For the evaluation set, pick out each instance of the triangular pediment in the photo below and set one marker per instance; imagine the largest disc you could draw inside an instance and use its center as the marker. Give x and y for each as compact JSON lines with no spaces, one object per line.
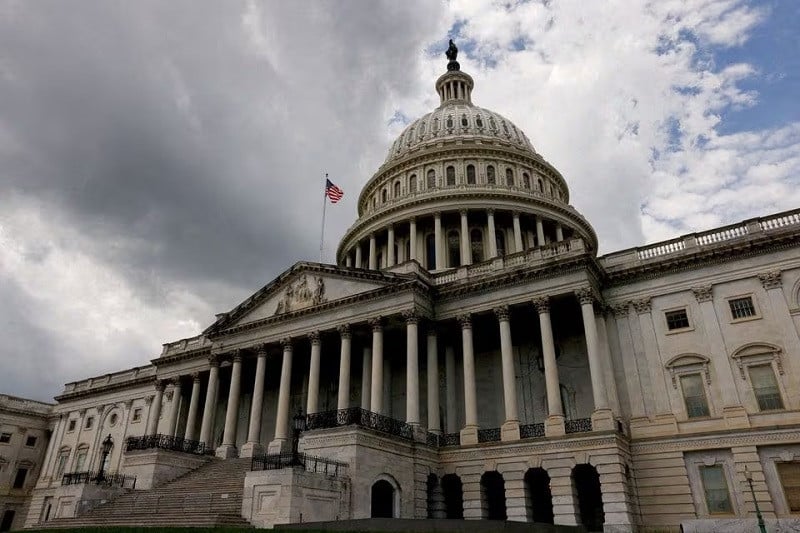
{"x":302,"y":288}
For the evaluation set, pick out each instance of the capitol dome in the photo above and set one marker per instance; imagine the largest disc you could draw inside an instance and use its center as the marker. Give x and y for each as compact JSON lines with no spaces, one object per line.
{"x":460,"y":186}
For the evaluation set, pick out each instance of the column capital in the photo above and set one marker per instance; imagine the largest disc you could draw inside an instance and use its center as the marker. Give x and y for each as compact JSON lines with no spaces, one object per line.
{"x":236,"y":356}
{"x":261,"y":350}
{"x":411,"y":316}
{"x":431,"y":329}
{"x":376,"y":323}
{"x":128,"y":404}
{"x":515,"y":214}
{"x":176,"y":381}
{"x":703,"y":293}
{"x":314,"y":338}
{"x":195,"y":377}
{"x":503,"y":313}
{"x":147,"y":401}
{"x":213,"y":360}
{"x":620,"y":309}
{"x":462,"y":212}
{"x":286,"y":342}
{"x":585,"y":295}
{"x":465,"y":320}
{"x":159,"y":384}
{"x":437,"y":214}
{"x":490,"y":211}
{"x":344,"y":331}
{"x":542,"y":304}
{"x":643,"y":305}
{"x":771,"y":280}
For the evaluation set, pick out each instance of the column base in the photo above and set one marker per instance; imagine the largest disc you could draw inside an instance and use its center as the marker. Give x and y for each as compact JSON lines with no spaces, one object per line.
{"x":251,"y":449}
{"x":509,"y":430}
{"x":735,"y":417}
{"x":554,"y":426}
{"x":469,"y":435}
{"x":227,"y":451}
{"x":603,"y":420}
{"x":278,"y":446}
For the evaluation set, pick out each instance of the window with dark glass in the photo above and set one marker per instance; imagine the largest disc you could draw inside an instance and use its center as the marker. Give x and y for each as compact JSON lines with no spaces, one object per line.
{"x":430,"y":251}
{"x":677,"y":319}
{"x":62,"y":462}
{"x":19,"y":479}
{"x":526,"y":180}
{"x":453,"y":249}
{"x":396,"y":189}
{"x":80,"y":459}
{"x":765,"y":387}
{"x":742,"y":307}
{"x":500,"y":240}
{"x":471,"y":174}
{"x":694,"y":396}
{"x":476,"y":245}
{"x":431,"y":179}
{"x":5,"y":438}
{"x":89,"y":422}
{"x":509,"y":177}
{"x":137,"y":414}
{"x":789,"y":474}
{"x":30,"y":441}
{"x":715,"y":488}
{"x":478,"y":121}
{"x":450,"y":174}
{"x":384,"y":195}
{"x":540,"y":184}
{"x":450,"y":122}
{"x":71,"y":426}
{"x":412,"y":183}
{"x":490,"y":177}
{"x":464,"y":121}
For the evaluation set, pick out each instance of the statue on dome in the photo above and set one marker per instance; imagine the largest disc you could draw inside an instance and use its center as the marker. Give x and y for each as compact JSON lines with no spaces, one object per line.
{"x":452,"y":54}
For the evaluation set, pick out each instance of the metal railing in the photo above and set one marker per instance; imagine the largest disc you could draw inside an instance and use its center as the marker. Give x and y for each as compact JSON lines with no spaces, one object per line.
{"x":527,"y":431}
{"x":489,"y":435}
{"x":166,"y":442}
{"x":310,"y":463}
{"x":355,"y":416}
{"x":105,"y":479}
{"x":579,"y":425}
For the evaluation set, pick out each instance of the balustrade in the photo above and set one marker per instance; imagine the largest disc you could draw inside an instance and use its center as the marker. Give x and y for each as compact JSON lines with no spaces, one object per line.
{"x":99,"y":478}
{"x":309,"y":463}
{"x":166,"y":442}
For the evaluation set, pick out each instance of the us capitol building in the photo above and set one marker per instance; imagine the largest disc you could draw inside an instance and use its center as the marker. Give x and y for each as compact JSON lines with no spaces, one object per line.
{"x":469,"y":357}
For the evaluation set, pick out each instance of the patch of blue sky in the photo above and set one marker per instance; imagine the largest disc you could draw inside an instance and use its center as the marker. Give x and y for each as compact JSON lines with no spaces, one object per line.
{"x":398,"y":118}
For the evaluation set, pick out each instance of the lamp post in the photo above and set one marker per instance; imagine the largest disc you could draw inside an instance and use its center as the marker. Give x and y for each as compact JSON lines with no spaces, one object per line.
{"x":749,"y":477}
{"x":107,"y":444}
{"x":299,"y":425}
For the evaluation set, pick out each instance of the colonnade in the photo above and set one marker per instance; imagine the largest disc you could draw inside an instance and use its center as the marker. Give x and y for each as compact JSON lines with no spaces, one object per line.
{"x":373,"y":385}
{"x":400,"y":249}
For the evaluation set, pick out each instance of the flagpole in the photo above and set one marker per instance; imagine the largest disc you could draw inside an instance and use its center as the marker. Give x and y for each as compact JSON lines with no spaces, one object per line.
{"x":324,"y":204}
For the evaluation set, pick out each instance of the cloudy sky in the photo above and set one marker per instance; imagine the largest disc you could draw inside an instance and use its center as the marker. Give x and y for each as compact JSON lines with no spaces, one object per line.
{"x":160,"y":161}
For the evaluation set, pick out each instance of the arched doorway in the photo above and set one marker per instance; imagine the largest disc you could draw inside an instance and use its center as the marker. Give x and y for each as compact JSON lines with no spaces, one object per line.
{"x":382,"y":499}
{"x":493,"y":496}
{"x":436,"y":504}
{"x":586,"y":481}
{"x":537,"y":488}
{"x":453,"y":496}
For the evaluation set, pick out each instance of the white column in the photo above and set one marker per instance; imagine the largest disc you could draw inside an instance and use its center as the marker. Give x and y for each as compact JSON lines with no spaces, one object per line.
{"x":491,"y":234}
{"x":282,"y":419}
{"x":586,"y":299}
{"x":373,"y":258}
{"x":343,"y":400}
{"x":172,"y":421}
{"x":517,"y":234}
{"x":376,"y":397}
{"x":366,"y":378}
{"x":412,"y":367}
{"x":390,"y":259}
{"x":434,"y":424}
{"x":466,"y":252}
{"x":539,"y":231}
{"x":450,"y":388}
{"x":228,"y":448}
{"x":194,"y":405}
{"x":253,"y":445}
{"x":559,"y":232}
{"x":555,"y":419}
{"x":412,"y":235}
{"x":469,"y":435}
{"x":313,"y":373}
{"x":155,"y":410}
{"x":438,"y":237}
{"x":358,"y":264}
{"x":210,"y":406}
{"x":510,"y":429}
{"x":348,"y":260}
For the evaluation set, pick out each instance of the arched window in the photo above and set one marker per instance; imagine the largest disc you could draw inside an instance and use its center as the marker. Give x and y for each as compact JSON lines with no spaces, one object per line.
{"x":464,"y":122}
{"x":471,"y":174}
{"x":397,"y":189}
{"x":80,"y":458}
{"x":500,"y":241}
{"x":430,"y":252}
{"x":493,"y":494}
{"x":453,"y":497}
{"x":450,"y":174}
{"x":586,"y":483}
{"x":509,"y":177}
{"x":490,"y":178}
{"x":453,"y":249}
{"x":540,"y":184}
{"x":449,"y":122}
{"x":431,"y":180}
{"x":374,"y":203}
{"x":526,"y":180}
{"x":476,"y":245}
{"x":61,"y":465}
{"x":412,"y":183}
{"x":537,"y":486}
{"x":384,"y":195}
{"x":479,"y":122}
{"x":382,"y":499}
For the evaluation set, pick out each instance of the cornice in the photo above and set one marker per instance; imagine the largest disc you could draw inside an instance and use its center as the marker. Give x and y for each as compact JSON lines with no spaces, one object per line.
{"x":145,"y":380}
{"x":751,"y":437}
{"x":180,"y":357}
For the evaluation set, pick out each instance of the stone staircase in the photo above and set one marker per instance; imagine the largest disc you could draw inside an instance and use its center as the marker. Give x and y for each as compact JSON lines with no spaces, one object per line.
{"x":209,"y":496}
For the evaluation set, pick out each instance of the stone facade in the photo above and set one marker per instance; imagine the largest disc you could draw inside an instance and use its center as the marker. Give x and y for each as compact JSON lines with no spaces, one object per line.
{"x":470,"y":356}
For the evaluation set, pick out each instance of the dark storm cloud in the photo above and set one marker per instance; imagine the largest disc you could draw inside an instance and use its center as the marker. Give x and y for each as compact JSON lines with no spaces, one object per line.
{"x":185,"y":150}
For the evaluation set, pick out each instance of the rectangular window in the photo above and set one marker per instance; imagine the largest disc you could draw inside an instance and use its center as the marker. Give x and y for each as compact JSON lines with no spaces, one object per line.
{"x":677,"y":319}
{"x":89,"y":422}
{"x":742,"y":307}
{"x":5,"y":438}
{"x":80,"y":461}
{"x":71,"y":426}
{"x":137,"y":414}
{"x":789,"y":474}
{"x":718,"y":500}
{"x":19,"y":480}
{"x":62,"y":463}
{"x":765,"y":387}
{"x":694,"y":395}
{"x":30,"y":441}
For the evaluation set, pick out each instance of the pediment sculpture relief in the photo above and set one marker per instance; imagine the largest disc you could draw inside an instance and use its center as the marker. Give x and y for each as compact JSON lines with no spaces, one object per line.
{"x":301,"y":294}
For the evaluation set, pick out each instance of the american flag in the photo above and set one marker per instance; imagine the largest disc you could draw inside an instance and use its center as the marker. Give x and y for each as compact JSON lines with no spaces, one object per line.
{"x":332,"y":191}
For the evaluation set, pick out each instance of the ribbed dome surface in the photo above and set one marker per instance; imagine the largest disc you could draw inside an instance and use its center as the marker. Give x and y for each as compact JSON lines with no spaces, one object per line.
{"x":458,"y":121}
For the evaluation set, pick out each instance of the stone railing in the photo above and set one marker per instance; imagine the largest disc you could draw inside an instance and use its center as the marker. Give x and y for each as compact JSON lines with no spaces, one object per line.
{"x":99,"y":478}
{"x":183,"y":345}
{"x":528,"y":258}
{"x":166,"y":442}
{"x":309,"y":463}
{"x":696,"y":242}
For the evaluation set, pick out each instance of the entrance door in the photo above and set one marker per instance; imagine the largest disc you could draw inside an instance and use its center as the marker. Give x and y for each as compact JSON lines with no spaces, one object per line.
{"x":590,"y":498}
{"x":8,"y":519}
{"x":382,"y":499}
